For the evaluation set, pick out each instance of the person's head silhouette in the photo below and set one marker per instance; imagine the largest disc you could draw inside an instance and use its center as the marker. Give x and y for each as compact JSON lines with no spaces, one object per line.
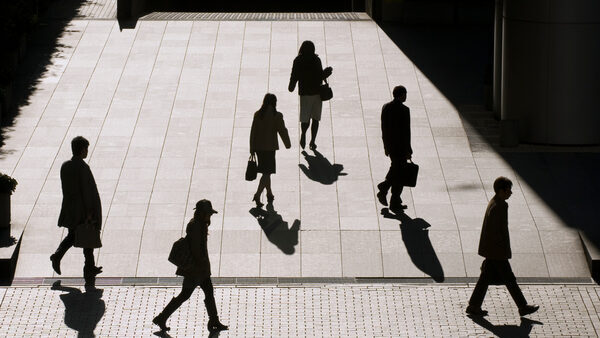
{"x":307,"y":48}
{"x":269,"y":105}
{"x":79,"y":146}
{"x":399,"y":93}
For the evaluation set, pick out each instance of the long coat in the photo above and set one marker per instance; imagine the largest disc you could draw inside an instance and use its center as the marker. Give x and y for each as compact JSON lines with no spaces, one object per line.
{"x":265,"y":127}
{"x":495,"y":241}
{"x":197,"y":237}
{"x":80,"y":194}
{"x":395,"y":129}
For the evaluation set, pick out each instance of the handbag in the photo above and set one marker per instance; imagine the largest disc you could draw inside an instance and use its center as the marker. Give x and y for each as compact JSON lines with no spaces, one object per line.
{"x":252,"y":168}
{"x":410,"y":171}
{"x":325,"y":92}
{"x":181,"y":254}
{"x":87,"y":236}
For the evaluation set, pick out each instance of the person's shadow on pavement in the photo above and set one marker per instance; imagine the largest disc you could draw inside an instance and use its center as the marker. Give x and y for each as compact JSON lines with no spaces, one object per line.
{"x":507,"y":331}
{"x":416,"y":240}
{"x":276,"y":228}
{"x":83,"y":311}
{"x":320,"y":169}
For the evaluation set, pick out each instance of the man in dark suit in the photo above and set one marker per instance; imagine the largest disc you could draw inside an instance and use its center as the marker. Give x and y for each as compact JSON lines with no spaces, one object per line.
{"x":395,"y":131}
{"x":81,"y":203}
{"x":494,"y":245}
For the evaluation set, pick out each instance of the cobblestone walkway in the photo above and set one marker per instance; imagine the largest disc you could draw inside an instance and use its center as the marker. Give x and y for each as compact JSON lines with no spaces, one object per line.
{"x":337,"y":310}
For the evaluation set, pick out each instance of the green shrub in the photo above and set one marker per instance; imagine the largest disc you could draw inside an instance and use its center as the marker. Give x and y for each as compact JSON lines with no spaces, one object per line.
{"x":7,"y":184}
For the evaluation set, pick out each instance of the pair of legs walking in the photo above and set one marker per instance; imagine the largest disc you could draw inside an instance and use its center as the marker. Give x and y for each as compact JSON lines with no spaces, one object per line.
{"x":313,"y":133}
{"x":494,"y":271}
{"x":392,"y":180}
{"x":264,"y":183}
{"x":187,"y":288}
{"x":310,"y":112}
{"x":89,"y":268}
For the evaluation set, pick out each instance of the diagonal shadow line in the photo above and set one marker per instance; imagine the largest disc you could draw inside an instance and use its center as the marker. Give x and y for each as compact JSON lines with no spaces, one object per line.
{"x":458,"y":60}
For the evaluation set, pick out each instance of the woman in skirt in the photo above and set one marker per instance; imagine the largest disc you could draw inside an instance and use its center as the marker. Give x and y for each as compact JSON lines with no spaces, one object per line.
{"x":267,"y":123}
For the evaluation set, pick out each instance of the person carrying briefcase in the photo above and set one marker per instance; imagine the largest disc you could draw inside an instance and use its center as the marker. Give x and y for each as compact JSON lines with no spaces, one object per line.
{"x":395,"y":130}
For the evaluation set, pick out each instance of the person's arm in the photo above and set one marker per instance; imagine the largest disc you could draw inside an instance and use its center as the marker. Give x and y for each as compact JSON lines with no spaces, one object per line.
{"x":385,"y":130}
{"x":325,"y":73}
{"x":283,"y":132}
{"x":293,"y":76}
{"x":253,"y":136}
{"x":409,"y":150}
{"x":88,"y":189}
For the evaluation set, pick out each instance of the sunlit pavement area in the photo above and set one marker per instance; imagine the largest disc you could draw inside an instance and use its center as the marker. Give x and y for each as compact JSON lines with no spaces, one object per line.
{"x":328,"y":310}
{"x":167,"y":107}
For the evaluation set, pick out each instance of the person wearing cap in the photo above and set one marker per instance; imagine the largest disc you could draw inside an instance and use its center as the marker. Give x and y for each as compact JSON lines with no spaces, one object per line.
{"x":196,"y":235}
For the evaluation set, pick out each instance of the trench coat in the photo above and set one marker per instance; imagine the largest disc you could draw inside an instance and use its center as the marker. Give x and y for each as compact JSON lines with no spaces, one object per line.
{"x":494,"y":242}
{"x":80,"y":195}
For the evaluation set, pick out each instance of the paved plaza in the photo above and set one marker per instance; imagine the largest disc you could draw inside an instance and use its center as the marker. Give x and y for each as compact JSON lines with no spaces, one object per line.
{"x":167,"y":107}
{"x":329,"y":310}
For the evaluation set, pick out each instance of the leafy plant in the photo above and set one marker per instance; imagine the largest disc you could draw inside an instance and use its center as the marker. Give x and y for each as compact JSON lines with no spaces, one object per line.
{"x":7,"y":184}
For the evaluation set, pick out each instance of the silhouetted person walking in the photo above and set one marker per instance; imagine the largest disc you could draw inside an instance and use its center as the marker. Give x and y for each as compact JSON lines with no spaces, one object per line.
{"x":81,"y":203}
{"x":267,"y":123}
{"x":197,"y":237}
{"x":395,"y":131}
{"x":309,"y":73}
{"x":494,"y":245}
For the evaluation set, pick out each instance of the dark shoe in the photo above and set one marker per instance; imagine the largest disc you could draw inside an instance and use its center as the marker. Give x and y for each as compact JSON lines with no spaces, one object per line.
{"x":270,"y":198}
{"x":312,"y":146}
{"x":256,"y":200}
{"x":214,"y":325}
{"x":55,"y":263}
{"x":90,"y":287}
{"x":97,"y":270}
{"x":382,"y":197}
{"x":528,"y":309}
{"x":302,"y":141}
{"x":473,"y":311}
{"x":398,"y":208}
{"x":161,"y":322}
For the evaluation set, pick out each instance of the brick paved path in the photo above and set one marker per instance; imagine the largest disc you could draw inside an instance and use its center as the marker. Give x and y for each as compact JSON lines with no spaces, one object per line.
{"x":338,"y":310}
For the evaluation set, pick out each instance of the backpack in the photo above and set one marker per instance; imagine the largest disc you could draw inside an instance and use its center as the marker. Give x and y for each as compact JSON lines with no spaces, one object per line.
{"x":181,"y":254}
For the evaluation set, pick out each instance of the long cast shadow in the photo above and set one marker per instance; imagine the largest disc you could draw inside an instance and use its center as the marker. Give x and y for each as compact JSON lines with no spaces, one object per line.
{"x":42,"y":46}
{"x":416,"y":240}
{"x":83,"y":311}
{"x":276,"y":228}
{"x":320,"y":169}
{"x":508,"y":331}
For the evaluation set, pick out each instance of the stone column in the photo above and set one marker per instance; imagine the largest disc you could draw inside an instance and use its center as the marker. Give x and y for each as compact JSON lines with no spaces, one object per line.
{"x":551,"y":70}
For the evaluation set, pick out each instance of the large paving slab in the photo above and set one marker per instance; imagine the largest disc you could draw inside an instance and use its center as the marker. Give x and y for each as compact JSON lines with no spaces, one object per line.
{"x":167,"y":107}
{"x":330,"y":310}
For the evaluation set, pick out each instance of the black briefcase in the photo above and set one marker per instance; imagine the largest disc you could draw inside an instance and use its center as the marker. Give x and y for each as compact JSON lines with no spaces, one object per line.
{"x":410,"y":171}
